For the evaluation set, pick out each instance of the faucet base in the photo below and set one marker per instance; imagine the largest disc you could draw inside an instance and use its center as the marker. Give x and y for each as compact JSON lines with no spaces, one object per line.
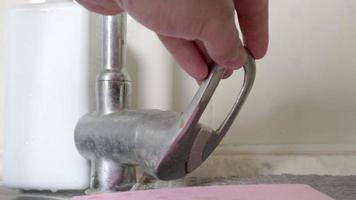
{"x":107,"y":175}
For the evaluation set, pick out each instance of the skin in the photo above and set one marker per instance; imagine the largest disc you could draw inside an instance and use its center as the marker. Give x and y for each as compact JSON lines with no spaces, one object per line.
{"x":199,"y":33}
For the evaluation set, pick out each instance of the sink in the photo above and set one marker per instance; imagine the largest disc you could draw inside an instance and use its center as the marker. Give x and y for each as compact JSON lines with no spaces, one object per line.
{"x":32,"y":198}
{"x":9,"y":194}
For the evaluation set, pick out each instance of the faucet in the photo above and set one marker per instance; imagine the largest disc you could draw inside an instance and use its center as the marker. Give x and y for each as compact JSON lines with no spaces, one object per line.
{"x":166,"y":144}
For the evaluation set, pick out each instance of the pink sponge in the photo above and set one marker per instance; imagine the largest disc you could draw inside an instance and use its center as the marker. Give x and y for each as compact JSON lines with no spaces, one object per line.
{"x":239,"y":192}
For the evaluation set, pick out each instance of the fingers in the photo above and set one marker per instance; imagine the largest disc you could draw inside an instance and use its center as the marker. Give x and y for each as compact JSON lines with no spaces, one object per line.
{"x":209,"y":61}
{"x":188,"y":55}
{"x":253,"y":20}
{"x":228,"y":73}
{"x":105,"y":7}
{"x":204,"y":53}
{"x":223,"y":44}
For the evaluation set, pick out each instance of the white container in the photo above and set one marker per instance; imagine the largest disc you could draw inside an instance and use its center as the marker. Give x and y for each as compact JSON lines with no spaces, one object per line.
{"x":46,"y":92}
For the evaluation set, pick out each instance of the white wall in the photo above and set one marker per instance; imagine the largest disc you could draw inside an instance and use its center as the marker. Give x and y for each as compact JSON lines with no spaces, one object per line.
{"x":305,"y":90}
{"x":3,"y":7}
{"x":305,"y":87}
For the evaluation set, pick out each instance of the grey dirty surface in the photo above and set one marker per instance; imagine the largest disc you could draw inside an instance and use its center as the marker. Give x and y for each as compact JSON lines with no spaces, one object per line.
{"x":337,"y":187}
{"x":8,"y":194}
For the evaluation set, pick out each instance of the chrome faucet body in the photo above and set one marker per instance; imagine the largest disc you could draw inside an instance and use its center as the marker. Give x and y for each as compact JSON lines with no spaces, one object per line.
{"x":113,"y":94}
{"x":166,"y":144}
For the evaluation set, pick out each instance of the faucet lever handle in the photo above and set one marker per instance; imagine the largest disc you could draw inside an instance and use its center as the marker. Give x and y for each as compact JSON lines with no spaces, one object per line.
{"x":191,"y":116}
{"x":219,"y":134}
{"x":192,"y":142}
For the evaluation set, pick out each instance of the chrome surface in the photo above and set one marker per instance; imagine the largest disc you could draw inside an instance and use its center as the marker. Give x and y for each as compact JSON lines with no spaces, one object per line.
{"x":9,"y":194}
{"x":113,"y":84}
{"x":166,"y":144}
{"x":108,"y":175}
{"x":114,"y":42}
{"x":113,"y":94}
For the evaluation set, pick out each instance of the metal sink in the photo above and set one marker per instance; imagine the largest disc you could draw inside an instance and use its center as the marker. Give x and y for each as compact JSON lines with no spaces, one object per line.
{"x":8,"y":194}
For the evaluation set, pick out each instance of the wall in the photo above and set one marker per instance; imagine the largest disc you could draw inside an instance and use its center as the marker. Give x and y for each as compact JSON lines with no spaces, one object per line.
{"x":300,"y":117}
{"x":305,"y":87}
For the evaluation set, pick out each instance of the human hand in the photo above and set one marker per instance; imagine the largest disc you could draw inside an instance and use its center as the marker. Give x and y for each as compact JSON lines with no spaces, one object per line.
{"x":199,"y":33}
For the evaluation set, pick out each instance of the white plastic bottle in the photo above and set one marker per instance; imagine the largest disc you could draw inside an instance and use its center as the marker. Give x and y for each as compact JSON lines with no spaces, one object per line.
{"x":46,"y":92}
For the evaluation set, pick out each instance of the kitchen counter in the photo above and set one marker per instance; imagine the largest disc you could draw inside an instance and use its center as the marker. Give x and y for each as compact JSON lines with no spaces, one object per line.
{"x":337,"y":187}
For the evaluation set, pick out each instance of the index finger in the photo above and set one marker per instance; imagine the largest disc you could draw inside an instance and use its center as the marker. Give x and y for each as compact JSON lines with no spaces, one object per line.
{"x":253,"y":21}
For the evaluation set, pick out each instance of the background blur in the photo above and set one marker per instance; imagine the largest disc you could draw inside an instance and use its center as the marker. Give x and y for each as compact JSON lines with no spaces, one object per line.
{"x":3,"y":7}
{"x":305,"y":91}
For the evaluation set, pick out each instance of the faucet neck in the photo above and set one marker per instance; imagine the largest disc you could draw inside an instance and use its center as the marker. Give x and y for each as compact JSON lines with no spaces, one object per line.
{"x":113,"y":87}
{"x":114,"y":42}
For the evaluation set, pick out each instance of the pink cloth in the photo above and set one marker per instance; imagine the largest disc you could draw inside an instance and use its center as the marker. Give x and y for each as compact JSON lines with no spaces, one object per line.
{"x":239,"y":192}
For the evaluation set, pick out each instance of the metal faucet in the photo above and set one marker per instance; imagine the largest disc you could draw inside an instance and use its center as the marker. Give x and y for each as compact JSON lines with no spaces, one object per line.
{"x":166,"y":144}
